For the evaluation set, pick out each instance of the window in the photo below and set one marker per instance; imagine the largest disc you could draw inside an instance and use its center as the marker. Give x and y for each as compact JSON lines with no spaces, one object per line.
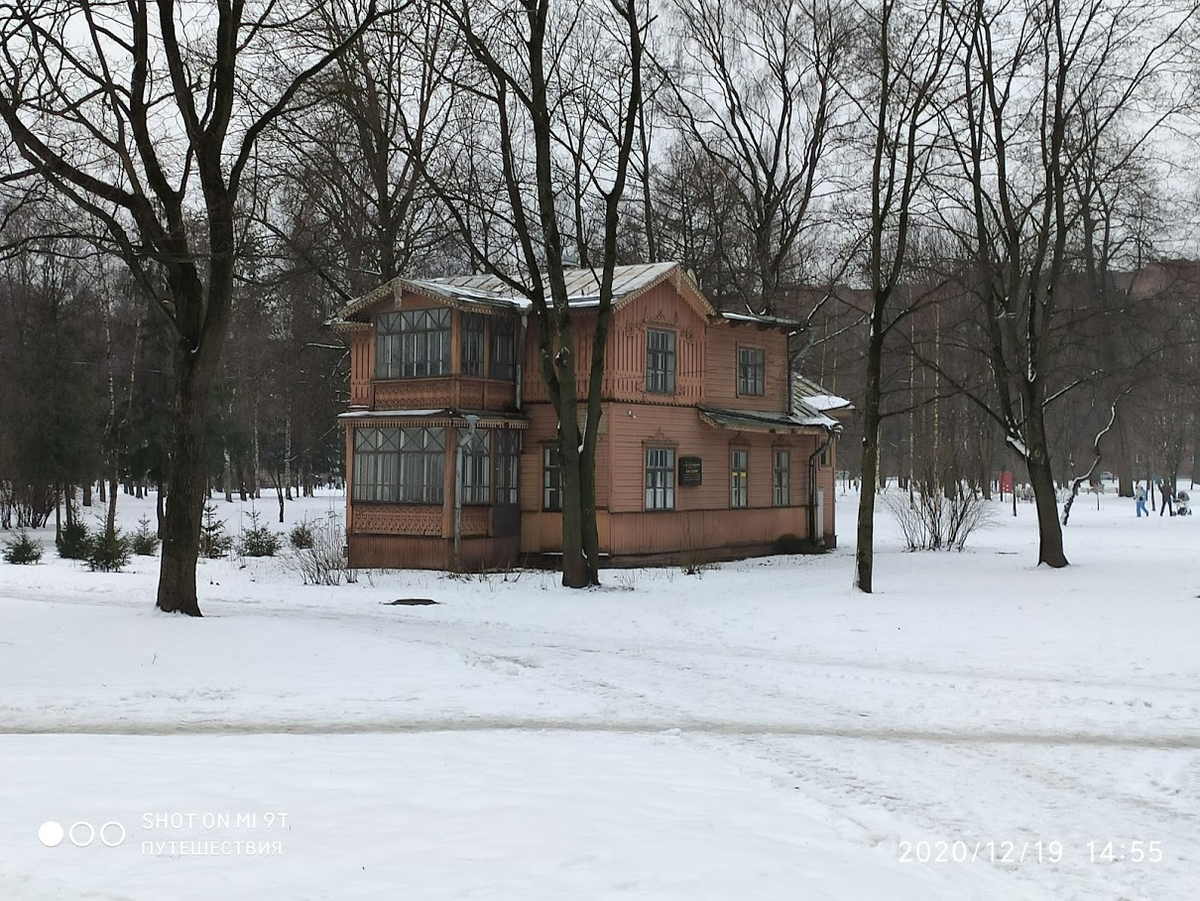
{"x":508,"y":451}
{"x":551,"y":479}
{"x":412,"y":343}
{"x":399,"y":465}
{"x":660,"y":361}
{"x":477,"y":460}
{"x":503,"y":365}
{"x":472,"y":344}
{"x":422,"y":465}
{"x":783,"y":478}
{"x":739,"y":478}
{"x":660,"y":478}
{"x":376,"y":464}
{"x":751,"y":370}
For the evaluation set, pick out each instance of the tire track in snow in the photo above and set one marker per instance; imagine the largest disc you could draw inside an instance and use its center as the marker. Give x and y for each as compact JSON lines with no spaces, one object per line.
{"x":1164,"y":741}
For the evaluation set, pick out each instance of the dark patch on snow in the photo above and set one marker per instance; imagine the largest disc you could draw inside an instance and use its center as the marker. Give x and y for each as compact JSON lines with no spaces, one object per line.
{"x":409,"y":602}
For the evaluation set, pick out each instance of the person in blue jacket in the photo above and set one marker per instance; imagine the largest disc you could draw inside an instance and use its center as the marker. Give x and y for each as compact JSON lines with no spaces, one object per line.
{"x":1140,"y":497}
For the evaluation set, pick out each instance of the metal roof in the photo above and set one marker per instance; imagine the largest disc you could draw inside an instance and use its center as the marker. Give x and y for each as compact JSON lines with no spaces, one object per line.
{"x":809,"y":394}
{"x":583,"y":289}
{"x":801,"y":423}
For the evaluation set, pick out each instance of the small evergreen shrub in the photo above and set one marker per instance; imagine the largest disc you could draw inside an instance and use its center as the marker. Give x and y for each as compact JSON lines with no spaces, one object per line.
{"x":301,"y":536}
{"x":22,"y":549}
{"x":214,"y":542}
{"x":258,"y":540}
{"x":144,"y":542}
{"x":75,"y":541}
{"x":108,"y":553}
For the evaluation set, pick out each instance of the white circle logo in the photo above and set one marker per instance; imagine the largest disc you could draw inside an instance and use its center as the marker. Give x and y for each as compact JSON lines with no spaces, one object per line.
{"x":91,"y":834}
{"x":50,"y":834}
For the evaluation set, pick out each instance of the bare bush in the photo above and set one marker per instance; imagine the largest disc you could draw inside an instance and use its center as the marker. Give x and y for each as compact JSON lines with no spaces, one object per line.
{"x":324,"y":561}
{"x":931,"y":521}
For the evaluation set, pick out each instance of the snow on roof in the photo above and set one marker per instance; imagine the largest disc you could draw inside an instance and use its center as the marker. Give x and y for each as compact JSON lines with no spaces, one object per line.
{"x":583,"y":288}
{"x":761,"y":319}
{"x":514,"y":420}
{"x":754,"y":420}
{"x":810,"y":394}
{"x":376,"y":414}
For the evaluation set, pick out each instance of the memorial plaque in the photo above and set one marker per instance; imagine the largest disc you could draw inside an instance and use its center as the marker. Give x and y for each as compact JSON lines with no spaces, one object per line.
{"x":690,"y":471}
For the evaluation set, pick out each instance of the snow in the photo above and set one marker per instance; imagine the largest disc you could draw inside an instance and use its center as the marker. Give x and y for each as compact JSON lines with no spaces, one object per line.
{"x":825,"y":402}
{"x":760,"y":731}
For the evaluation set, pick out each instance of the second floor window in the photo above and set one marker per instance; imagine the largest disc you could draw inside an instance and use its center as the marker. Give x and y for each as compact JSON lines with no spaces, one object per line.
{"x":783,"y":478}
{"x":739,"y":478}
{"x":412,"y":343}
{"x":476,"y":465}
{"x":503,"y":364}
{"x":660,"y":478}
{"x":472,"y":344}
{"x":660,"y":361}
{"x":752,"y":368}
{"x":551,"y":479}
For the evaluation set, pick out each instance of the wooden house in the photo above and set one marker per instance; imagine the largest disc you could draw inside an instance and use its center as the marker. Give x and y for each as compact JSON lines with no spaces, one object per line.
{"x":706,"y":445}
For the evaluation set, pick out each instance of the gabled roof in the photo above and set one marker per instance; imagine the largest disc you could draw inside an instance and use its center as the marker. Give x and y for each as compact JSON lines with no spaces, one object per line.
{"x":800,"y":423}
{"x":763,"y":320}
{"x":807,"y":394}
{"x":444,"y":416}
{"x":484,"y":291}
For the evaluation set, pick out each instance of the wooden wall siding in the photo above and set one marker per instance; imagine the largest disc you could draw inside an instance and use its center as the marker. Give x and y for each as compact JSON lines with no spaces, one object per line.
{"x":625,"y":350}
{"x":827,"y":479}
{"x":476,"y":521}
{"x":444,"y":393}
{"x":542,"y":532}
{"x":682,"y":429}
{"x":720,"y":389}
{"x":543,"y":429}
{"x":484,"y":394}
{"x":362,"y":367}
{"x":395,"y":552}
{"x":662,"y":308}
{"x":397,"y":519}
{"x":696,"y":530}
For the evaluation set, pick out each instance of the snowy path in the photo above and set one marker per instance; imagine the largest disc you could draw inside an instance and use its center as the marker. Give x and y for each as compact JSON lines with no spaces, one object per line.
{"x":760,"y":732}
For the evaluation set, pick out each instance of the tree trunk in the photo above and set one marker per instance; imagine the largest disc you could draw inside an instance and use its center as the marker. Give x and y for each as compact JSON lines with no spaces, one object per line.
{"x":87,"y":493}
{"x":864,"y":554}
{"x":110,"y":524}
{"x":574,"y":565}
{"x":1124,"y":458}
{"x":186,"y":489}
{"x":160,"y":513}
{"x":227,"y":477}
{"x":287,"y":456}
{"x":1041,"y":479}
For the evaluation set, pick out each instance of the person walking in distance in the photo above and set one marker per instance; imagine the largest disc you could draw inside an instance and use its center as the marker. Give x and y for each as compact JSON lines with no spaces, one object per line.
{"x":1166,"y":493}
{"x":1140,"y":497}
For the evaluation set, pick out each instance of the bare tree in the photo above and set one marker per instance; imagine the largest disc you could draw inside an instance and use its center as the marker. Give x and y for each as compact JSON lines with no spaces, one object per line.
{"x":540,"y":75}
{"x":757,"y":87}
{"x":144,"y":117}
{"x":910,"y":41}
{"x":1040,"y":85}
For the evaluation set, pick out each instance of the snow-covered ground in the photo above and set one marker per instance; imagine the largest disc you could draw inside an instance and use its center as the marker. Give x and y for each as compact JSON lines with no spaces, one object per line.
{"x":758,"y":732}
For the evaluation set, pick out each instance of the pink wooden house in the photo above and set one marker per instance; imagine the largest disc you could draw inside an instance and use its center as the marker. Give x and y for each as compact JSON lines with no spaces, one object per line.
{"x":704,"y":446}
